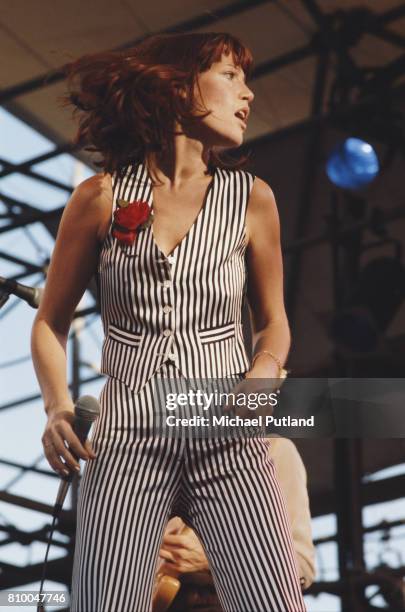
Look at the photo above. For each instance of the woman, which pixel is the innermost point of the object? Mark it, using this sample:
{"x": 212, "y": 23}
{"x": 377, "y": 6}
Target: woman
{"x": 161, "y": 116}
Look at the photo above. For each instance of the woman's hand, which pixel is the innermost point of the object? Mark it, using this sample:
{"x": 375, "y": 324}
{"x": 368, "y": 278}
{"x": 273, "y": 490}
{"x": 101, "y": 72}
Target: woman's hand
{"x": 182, "y": 551}
{"x": 260, "y": 387}
{"x": 61, "y": 443}
{"x": 260, "y": 396}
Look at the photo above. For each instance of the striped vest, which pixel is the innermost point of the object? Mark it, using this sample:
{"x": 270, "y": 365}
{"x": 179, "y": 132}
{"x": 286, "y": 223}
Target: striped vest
{"x": 185, "y": 307}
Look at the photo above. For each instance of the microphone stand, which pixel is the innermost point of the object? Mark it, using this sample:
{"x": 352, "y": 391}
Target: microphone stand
{"x": 72, "y": 480}
{"x": 77, "y": 325}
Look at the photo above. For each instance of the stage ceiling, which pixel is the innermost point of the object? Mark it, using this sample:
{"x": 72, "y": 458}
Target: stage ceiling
{"x": 286, "y": 37}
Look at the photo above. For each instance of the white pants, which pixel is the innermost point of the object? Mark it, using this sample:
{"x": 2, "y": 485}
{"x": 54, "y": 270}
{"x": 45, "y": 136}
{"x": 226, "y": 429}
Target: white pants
{"x": 224, "y": 489}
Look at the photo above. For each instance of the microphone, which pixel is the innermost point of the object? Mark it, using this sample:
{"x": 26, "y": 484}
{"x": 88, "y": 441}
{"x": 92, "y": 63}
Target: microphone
{"x": 87, "y": 409}
{"x": 31, "y": 295}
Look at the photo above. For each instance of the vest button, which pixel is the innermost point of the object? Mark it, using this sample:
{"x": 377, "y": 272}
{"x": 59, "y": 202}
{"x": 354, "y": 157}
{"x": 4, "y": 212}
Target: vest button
{"x": 167, "y": 309}
{"x": 167, "y": 332}
{"x": 166, "y": 284}
{"x": 172, "y": 356}
{"x": 171, "y": 259}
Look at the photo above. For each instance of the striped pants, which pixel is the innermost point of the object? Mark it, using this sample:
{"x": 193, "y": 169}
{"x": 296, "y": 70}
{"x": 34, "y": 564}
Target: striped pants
{"x": 223, "y": 488}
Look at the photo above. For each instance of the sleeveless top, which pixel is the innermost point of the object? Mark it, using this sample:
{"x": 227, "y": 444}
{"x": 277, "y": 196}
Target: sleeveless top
{"x": 185, "y": 307}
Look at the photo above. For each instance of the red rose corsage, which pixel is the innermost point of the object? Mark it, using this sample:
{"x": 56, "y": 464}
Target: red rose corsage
{"x": 129, "y": 219}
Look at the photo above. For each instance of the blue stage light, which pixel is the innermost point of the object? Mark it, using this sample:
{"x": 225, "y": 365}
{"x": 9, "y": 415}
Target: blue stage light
{"x": 353, "y": 164}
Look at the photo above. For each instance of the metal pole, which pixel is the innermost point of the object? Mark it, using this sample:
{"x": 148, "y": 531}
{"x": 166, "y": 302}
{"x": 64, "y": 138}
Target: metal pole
{"x": 347, "y": 451}
{"x": 304, "y": 208}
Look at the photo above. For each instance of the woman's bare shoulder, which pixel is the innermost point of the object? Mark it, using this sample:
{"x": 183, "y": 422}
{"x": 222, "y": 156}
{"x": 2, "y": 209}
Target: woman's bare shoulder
{"x": 262, "y": 207}
{"x": 96, "y": 185}
{"x": 93, "y": 197}
{"x": 261, "y": 195}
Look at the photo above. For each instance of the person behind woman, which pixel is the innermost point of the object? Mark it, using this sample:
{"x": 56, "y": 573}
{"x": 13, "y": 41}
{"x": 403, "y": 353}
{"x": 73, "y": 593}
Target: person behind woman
{"x": 162, "y": 116}
{"x": 185, "y": 557}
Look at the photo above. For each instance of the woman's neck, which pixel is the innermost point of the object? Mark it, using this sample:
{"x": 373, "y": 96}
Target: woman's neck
{"x": 186, "y": 161}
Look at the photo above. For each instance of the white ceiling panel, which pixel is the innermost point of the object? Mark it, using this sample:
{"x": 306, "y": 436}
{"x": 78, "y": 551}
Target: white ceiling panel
{"x": 266, "y": 30}
{"x": 56, "y": 32}
{"x": 38, "y": 36}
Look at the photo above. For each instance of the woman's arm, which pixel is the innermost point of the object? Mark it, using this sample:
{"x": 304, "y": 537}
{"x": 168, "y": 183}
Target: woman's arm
{"x": 74, "y": 260}
{"x": 265, "y": 282}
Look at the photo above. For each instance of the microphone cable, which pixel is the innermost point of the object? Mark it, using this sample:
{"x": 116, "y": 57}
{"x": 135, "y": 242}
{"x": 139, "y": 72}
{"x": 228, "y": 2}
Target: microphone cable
{"x": 56, "y": 514}
{"x": 87, "y": 409}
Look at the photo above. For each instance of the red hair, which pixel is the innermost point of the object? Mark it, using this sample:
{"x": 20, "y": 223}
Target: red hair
{"x": 127, "y": 101}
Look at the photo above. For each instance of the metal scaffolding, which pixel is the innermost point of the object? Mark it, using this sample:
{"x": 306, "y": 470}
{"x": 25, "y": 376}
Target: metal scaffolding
{"x": 331, "y": 45}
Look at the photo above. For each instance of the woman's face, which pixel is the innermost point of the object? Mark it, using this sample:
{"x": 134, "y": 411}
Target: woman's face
{"x": 223, "y": 91}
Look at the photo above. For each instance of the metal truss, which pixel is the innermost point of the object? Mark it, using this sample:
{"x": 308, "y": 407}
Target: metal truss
{"x": 331, "y": 45}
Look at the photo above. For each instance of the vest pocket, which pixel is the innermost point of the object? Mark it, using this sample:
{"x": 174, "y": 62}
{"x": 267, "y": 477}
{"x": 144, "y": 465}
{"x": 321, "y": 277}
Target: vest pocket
{"x": 217, "y": 333}
{"x": 124, "y": 336}
{"x": 120, "y": 354}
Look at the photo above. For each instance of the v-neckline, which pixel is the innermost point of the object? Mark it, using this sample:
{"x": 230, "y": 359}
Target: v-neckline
{"x": 192, "y": 226}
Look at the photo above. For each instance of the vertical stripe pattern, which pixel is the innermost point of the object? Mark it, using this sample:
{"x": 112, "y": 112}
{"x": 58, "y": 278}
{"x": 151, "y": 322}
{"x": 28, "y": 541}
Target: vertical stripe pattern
{"x": 177, "y": 317}
{"x": 223, "y": 488}
{"x": 203, "y": 282}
